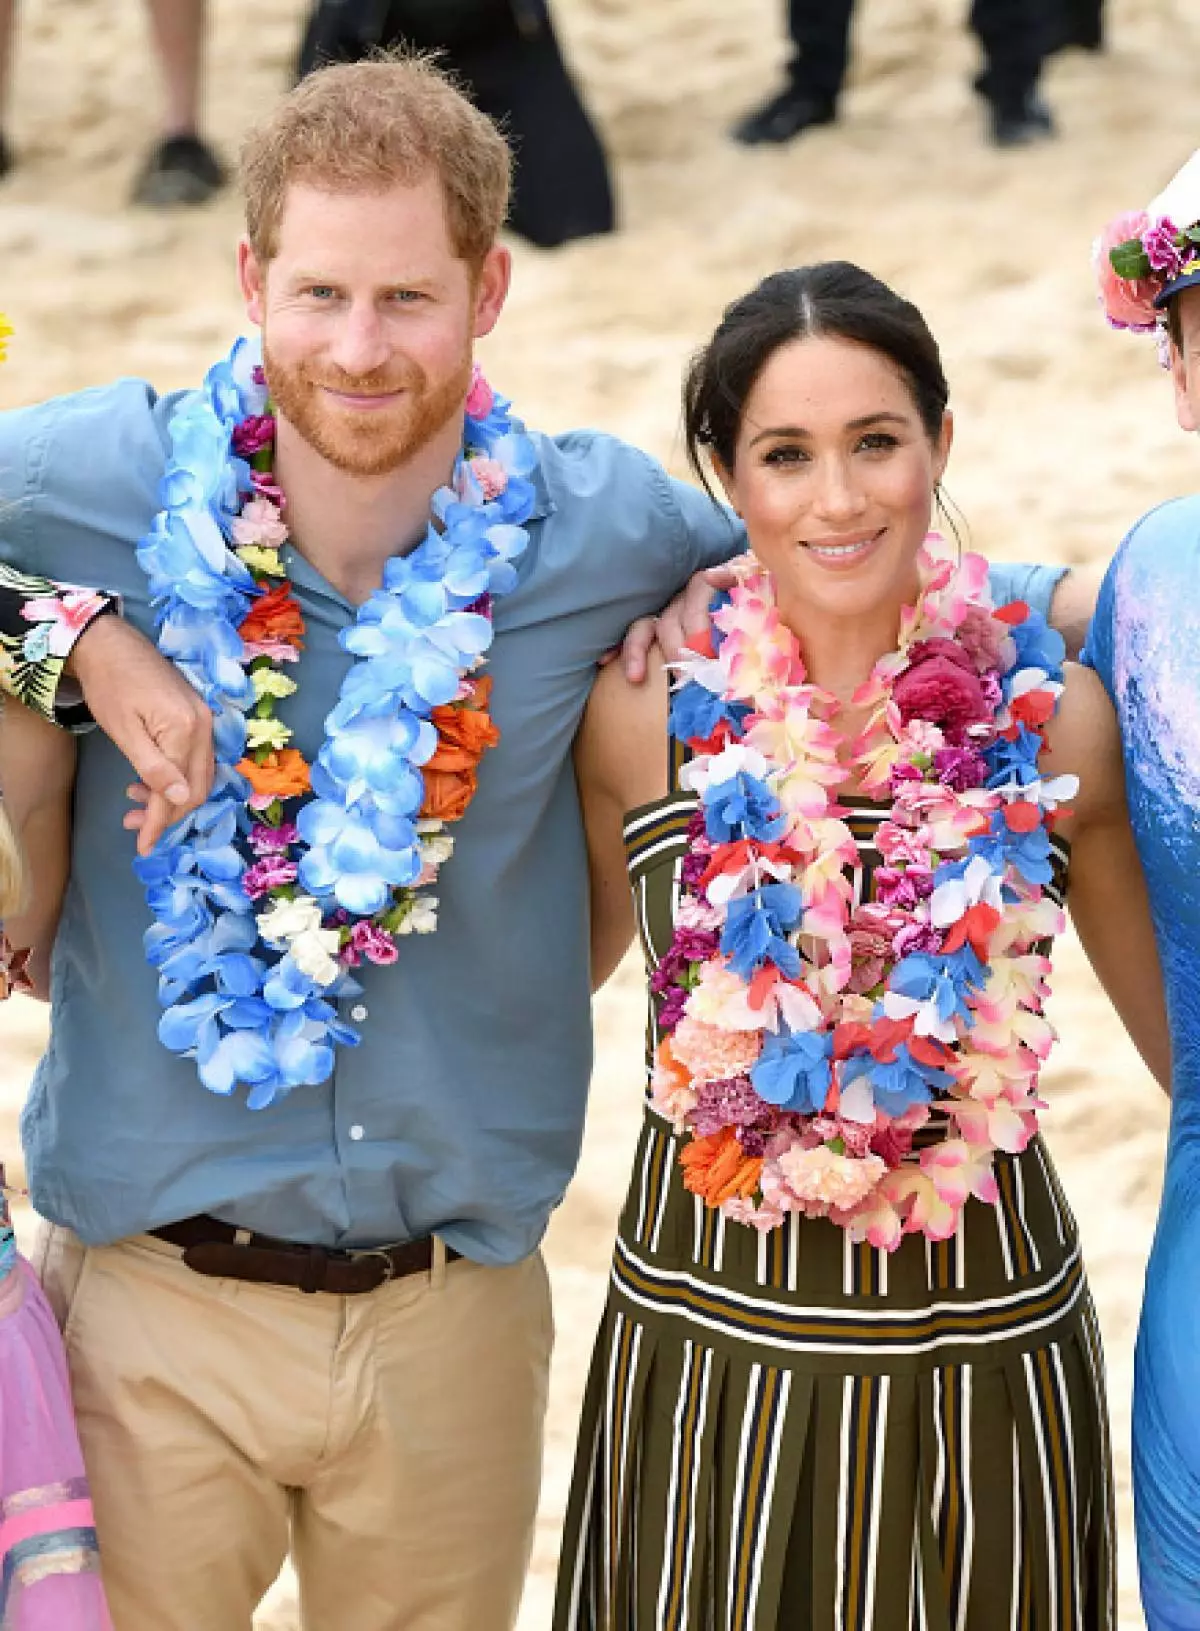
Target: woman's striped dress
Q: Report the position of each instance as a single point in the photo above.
(788, 1432)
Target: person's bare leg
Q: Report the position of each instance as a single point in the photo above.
(177, 29)
(182, 169)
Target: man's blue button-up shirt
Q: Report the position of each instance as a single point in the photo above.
(461, 1111)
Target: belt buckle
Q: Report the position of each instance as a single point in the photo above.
(377, 1251)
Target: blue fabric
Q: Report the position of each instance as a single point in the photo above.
(1145, 645)
(462, 1110)
(1035, 585)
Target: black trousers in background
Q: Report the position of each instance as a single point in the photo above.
(1012, 34)
(511, 65)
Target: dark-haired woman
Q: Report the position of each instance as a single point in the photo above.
(849, 1374)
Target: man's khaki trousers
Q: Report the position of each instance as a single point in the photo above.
(391, 1441)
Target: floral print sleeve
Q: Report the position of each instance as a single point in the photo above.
(39, 623)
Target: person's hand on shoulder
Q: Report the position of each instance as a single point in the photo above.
(682, 620)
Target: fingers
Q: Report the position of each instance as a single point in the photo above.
(161, 774)
(202, 764)
(153, 821)
(635, 649)
(729, 572)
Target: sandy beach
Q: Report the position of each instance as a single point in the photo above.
(1065, 433)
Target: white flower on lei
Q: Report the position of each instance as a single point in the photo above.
(711, 769)
(315, 953)
(283, 920)
(978, 886)
(423, 917)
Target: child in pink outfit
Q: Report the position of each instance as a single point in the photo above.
(49, 1562)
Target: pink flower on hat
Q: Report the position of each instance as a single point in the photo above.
(1127, 302)
(1161, 249)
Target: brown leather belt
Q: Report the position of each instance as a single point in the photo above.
(216, 1248)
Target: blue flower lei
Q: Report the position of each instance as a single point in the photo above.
(236, 1001)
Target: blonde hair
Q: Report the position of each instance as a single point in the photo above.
(366, 126)
(13, 881)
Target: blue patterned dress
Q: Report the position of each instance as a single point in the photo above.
(1145, 644)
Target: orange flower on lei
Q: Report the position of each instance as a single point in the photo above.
(465, 732)
(717, 1168)
(275, 616)
(281, 775)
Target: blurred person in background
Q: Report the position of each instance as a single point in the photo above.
(181, 168)
(1077, 23)
(506, 55)
(1011, 33)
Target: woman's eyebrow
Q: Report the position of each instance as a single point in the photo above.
(798, 431)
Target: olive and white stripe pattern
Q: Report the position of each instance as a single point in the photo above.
(985, 1526)
(792, 1430)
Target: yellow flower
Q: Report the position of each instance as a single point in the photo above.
(258, 559)
(266, 733)
(5, 336)
(269, 682)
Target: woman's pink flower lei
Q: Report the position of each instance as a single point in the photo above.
(918, 1015)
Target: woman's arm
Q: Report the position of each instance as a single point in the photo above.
(1107, 895)
(621, 754)
(64, 659)
(37, 771)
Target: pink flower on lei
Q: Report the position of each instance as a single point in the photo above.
(272, 872)
(251, 435)
(375, 944)
(487, 477)
(902, 846)
(709, 1054)
(265, 840)
(259, 526)
(940, 687)
(985, 639)
(759, 652)
(481, 399)
(815, 1180)
(870, 952)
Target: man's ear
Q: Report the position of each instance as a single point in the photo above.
(491, 289)
(252, 279)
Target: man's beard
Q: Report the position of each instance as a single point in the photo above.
(373, 443)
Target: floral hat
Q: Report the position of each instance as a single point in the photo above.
(1145, 258)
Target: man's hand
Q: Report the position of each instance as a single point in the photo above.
(681, 621)
(154, 717)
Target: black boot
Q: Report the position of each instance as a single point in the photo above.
(788, 113)
(1021, 122)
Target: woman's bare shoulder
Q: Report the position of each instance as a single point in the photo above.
(1083, 739)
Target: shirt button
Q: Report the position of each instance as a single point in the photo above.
(358, 1012)
(356, 1132)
